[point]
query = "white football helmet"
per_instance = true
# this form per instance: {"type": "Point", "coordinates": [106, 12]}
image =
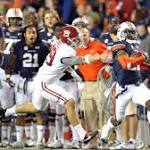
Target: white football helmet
{"type": "Point", "coordinates": [14, 13]}
{"type": "Point", "coordinates": [127, 31]}
{"type": "Point", "coordinates": [80, 21]}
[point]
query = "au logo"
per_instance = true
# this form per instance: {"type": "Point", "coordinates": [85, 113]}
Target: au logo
{"type": "Point", "coordinates": [66, 33]}
{"type": "Point", "coordinates": [25, 48]}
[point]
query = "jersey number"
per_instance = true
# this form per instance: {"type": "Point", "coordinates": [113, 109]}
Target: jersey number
{"type": "Point", "coordinates": [51, 56]}
{"type": "Point", "coordinates": [30, 60]}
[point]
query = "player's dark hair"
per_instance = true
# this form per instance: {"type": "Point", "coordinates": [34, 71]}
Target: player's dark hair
{"type": "Point", "coordinates": [58, 24]}
{"type": "Point", "coordinates": [57, 28]}
{"type": "Point", "coordinates": [30, 26]}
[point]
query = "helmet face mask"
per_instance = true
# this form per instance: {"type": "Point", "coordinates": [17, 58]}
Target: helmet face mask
{"type": "Point", "coordinates": [130, 34]}
{"type": "Point", "coordinates": [127, 31]}
{"type": "Point", "coordinates": [75, 42]}
{"type": "Point", "coordinates": [80, 22]}
{"type": "Point", "coordinates": [14, 21]}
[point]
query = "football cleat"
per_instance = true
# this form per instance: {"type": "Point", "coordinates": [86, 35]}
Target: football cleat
{"type": "Point", "coordinates": [4, 143]}
{"type": "Point", "coordinates": [73, 145]}
{"type": "Point", "coordinates": [40, 146]}
{"type": "Point", "coordinates": [56, 145]}
{"type": "Point", "coordinates": [17, 145]}
{"type": "Point", "coordinates": [29, 143]}
{"type": "Point", "coordinates": [89, 136]}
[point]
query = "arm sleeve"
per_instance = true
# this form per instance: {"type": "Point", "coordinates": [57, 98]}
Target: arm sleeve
{"type": "Point", "coordinates": [74, 60]}
{"type": "Point", "coordinates": [127, 62]}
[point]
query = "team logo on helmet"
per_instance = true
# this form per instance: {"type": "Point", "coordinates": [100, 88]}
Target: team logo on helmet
{"type": "Point", "coordinates": [69, 35]}
{"type": "Point", "coordinates": [127, 31]}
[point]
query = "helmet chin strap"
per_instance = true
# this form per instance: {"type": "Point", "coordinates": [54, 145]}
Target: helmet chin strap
{"type": "Point", "coordinates": [131, 41]}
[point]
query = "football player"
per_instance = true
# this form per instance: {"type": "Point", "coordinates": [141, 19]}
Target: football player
{"type": "Point", "coordinates": [13, 29]}
{"type": "Point", "coordinates": [45, 88]}
{"type": "Point", "coordinates": [131, 119]}
{"type": "Point", "coordinates": [12, 34]}
{"type": "Point", "coordinates": [69, 82]}
{"type": "Point", "coordinates": [29, 54]}
{"type": "Point", "coordinates": [126, 65]}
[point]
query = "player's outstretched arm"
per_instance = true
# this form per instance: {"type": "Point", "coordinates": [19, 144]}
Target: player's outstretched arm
{"type": "Point", "coordinates": [77, 60]}
{"type": "Point", "coordinates": [87, 59]}
{"type": "Point", "coordinates": [128, 62]}
{"type": "Point", "coordinates": [74, 60]}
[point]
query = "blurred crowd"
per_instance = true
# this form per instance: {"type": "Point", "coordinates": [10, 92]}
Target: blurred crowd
{"type": "Point", "coordinates": [99, 10]}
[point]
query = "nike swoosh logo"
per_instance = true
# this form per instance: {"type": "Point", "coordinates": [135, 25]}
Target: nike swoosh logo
{"type": "Point", "coordinates": [87, 139]}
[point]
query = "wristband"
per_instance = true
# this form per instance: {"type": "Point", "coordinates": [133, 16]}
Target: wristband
{"type": "Point", "coordinates": [88, 59]}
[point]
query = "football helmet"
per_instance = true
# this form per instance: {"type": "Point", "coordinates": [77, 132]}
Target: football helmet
{"type": "Point", "coordinates": [127, 31]}
{"type": "Point", "coordinates": [70, 36]}
{"type": "Point", "coordinates": [14, 13]}
{"type": "Point", "coordinates": [80, 22]}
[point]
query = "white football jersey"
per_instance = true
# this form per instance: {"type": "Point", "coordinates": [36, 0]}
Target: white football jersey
{"type": "Point", "coordinates": [52, 68]}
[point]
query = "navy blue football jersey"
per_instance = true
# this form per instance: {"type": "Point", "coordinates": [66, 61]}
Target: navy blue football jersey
{"type": "Point", "coordinates": [46, 36]}
{"type": "Point", "coordinates": [106, 38]}
{"type": "Point", "coordinates": [29, 58]}
{"type": "Point", "coordinates": [11, 38]}
{"type": "Point", "coordinates": [125, 76]}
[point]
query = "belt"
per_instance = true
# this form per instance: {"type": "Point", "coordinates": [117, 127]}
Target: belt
{"type": "Point", "coordinates": [91, 80]}
{"type": "Point", "coordinates": [124, 90]}
{"type": "Point", "coordinates": [136, 84]}
{"type": "Point", "coordinates": [29, 79]}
